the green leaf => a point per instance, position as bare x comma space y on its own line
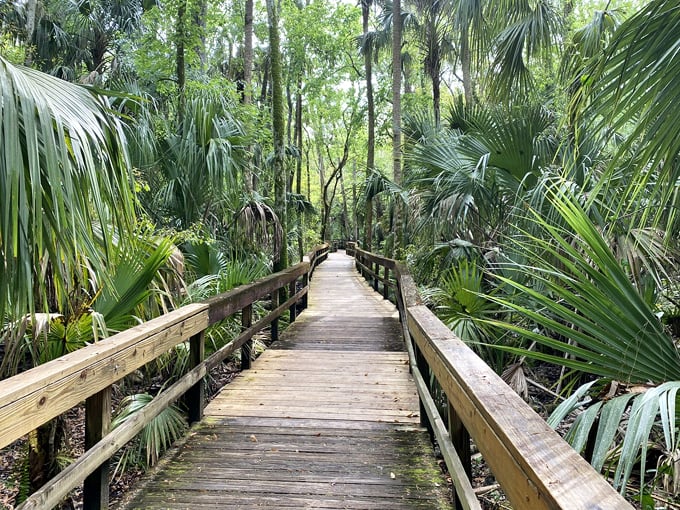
568, 405
610, 420
580, 430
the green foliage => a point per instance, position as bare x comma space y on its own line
125, 297
529, 29
198, 165
468, 175
583, 295
459, 301
638, 413
580, 300
154, 439
55, 132
631, 89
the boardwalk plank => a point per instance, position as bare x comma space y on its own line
327, 418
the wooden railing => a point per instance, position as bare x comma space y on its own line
534, 466
34, 397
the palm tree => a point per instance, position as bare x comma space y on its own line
434, 37
370, 126
396, 114
468, 174
524, 29
198, 166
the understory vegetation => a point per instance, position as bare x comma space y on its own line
522, 156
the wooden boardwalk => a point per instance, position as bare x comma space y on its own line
325, 418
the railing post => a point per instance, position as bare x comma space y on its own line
461, 442
195, 396
275, 322
291, 291
305, 285
386, 287
376, 276
97, 425
424, 369
247, 348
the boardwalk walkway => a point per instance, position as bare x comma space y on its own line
325, 418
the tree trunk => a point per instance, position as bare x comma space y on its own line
355, 208
247, 92
180, 66
44, 445
265, 80
199, 13
370, 149
298, 163
289, 117
248, 53
31, 8
322, 183
436, 94
278, 126
396, 113
465, 64
335, 176
345, 210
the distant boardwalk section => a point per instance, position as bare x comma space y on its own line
326, 418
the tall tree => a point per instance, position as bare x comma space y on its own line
31, 12
247, 95
180, 59
396, 111
370, 145
433, 36
278, 133
248, 53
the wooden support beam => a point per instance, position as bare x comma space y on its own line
460, 440
275, 322
291, 292
305, 285
195, 397
386, 283
247, 348
97, 425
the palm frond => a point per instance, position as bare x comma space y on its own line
586, 296
632, 88
630, 419
155, 438
532, 30
64, 170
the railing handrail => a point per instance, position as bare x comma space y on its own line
535, 467
35, 396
